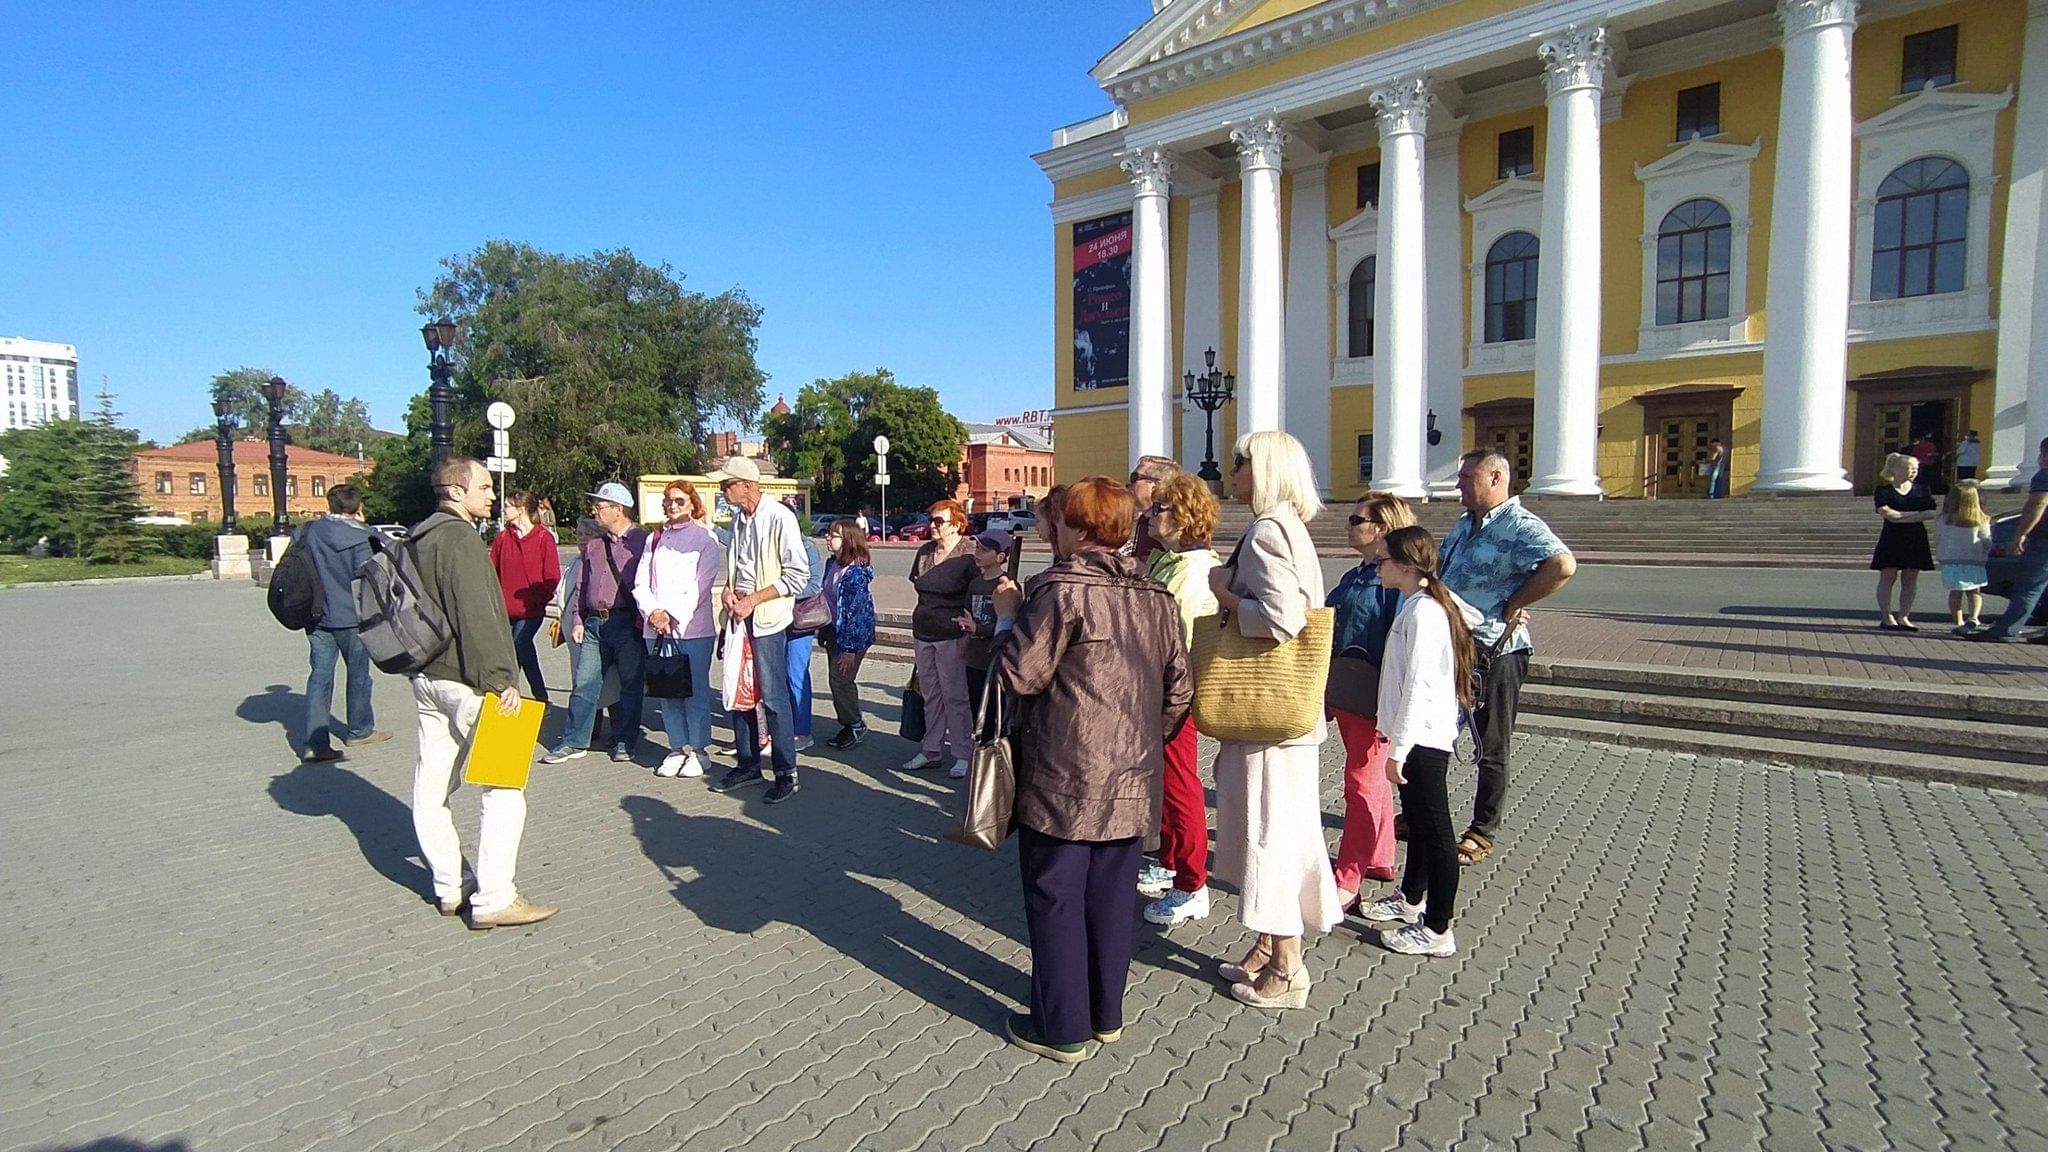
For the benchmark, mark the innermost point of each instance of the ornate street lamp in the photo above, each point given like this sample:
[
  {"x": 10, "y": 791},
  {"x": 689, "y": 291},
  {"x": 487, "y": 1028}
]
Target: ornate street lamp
[
  {"x": 224, "y": 439},
  {"x": 1210, "y": 392},
  {"x": 280, "y": 516},
  {"x": 440, "y": 338}
]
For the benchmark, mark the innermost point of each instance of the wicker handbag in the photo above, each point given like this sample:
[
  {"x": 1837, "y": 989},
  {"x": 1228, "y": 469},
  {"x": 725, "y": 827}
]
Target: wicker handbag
[{"x": 1260, "y": 691}]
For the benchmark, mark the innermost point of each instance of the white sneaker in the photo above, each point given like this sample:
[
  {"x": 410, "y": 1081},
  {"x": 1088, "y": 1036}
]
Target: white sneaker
[
  {"x": 803, "y": 743},
  {"x": 671, "y": 765},
  {"x": 1391, "y": 908},
  {"x": 958, "y": 771},
  {"x": 1416, "y": 940},
  {"x": 692, "y": 767},
  {"x": 1177, "y": 907},
  {"x": 921, "y": 763},
  {"x": 1154, "y": 880}
]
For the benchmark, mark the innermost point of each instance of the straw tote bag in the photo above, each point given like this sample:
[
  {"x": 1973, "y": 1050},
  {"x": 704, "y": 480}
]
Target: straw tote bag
[
  {"x": 1260, "y": 691},
  {"x": 991, "y": 794}
]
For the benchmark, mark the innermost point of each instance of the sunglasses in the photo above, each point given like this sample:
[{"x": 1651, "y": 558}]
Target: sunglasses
[
  {"x": 1238, "y": 460},
  {"x": 1357, "y": 520}
]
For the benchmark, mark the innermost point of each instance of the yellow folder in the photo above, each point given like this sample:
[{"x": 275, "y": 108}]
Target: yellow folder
[{"x": 501, "y": 752}]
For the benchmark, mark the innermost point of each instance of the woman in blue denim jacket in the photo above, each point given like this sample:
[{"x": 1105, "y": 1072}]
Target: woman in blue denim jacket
[
  {"x": 847, "y": 580},
  {"x": 1365, "y": 614}
]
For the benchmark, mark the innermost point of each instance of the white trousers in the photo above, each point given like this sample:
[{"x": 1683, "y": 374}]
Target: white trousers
[{"x": 448, "y": 714}]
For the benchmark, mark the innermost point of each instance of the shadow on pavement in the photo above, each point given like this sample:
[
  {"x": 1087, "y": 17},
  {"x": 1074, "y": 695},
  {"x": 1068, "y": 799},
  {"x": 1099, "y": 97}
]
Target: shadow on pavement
[
  {"x": 119, "y": 1144},
  {"x": 382, "y": 823},
  {"x": 279, "y": 704}
]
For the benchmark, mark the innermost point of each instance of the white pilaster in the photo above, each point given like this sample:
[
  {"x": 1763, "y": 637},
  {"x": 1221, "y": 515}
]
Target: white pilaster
[
  {"x": 1806, "y": 346},
  {"x": 1443, "y": 220},
  {"x": 1305, "y": 407},
  {"x": 1151, "y": 170},
  {"x": 2020, "y": 417},
  {"x": 1568, "y": 276},
  {"x": 1202, "y": 322},
  {"x": 1401, "y": 319},
  {"x": 1261, "y": 307}
]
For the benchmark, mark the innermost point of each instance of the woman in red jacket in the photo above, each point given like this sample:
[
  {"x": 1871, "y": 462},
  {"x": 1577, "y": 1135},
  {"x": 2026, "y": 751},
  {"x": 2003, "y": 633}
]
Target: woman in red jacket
[{"x": 529, "y": 565}]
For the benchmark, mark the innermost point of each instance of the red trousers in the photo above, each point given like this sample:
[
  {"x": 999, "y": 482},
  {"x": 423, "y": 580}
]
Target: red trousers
[
  {"x": 1183, "y": 816},
  {"x": 1366, "y": 850}
]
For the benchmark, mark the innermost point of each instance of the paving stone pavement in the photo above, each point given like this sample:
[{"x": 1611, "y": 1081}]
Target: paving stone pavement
[{"x": 210, "y": 947}]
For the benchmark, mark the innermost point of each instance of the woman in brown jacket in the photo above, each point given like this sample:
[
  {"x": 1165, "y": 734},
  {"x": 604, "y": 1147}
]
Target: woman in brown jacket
[{"x": 1094, "y": 652}]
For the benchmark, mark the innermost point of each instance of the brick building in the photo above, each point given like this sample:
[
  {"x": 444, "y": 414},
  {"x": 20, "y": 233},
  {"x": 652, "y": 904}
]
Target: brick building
[
  {"x": 184, "y": 481},
  {"x": 1004, "y": 463}
]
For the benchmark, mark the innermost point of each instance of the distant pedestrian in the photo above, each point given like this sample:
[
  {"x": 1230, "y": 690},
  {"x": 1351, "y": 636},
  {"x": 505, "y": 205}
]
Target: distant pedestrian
[
  {"x": 544, "y": 515},
  {"x": 607, "y": 630},
  {"x": 1716, "y": 467},
  {"x": 675, "y": 594},
  {"x": 848, "y": 576},
  {"x": 455, "y": 569},
  {"x": 1365, "y": 607},
  {"x": 1184, "y": 524},
  {"x": 801, "y": 645},
  {"x": 1902, "y": 551},
  {"x": 529, "y": 566},
  {"x": 978, "y": 622},
  {"x": 1501, "y": 559},
  {"x": 2029, "y": 550},
  {"x": 1969, "y": 456},
  {"x": 1926, "y": 451},
  {"x": 861, "y": 521},
  {"x": 766, "y": 566},
  {"x": 1094, "y": 655},
  {"x": 1146, "y": 476},
  {"x": 941, "y": 572},
  {"x": 339, "y": 546},
  {"x": 1269, "y": 812},
  {"x": 1962, "y": 545},
  {"x": 1426, "y": 678}
]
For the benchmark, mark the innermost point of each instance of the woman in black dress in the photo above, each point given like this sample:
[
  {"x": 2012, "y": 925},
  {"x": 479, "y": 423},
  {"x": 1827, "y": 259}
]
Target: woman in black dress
[{"x": 1902, "y": 549}]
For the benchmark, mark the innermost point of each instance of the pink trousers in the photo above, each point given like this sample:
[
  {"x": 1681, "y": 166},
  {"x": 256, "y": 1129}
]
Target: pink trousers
[{"x": 1366, "y": 851}]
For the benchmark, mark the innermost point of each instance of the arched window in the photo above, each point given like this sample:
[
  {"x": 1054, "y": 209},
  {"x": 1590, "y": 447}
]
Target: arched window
[
  {"x": 1363, "y": 282},
  {"x": 1511, "y": 288},
  {"x": 1923, "y": 219},
  {"x": 1692, "y": 263}
]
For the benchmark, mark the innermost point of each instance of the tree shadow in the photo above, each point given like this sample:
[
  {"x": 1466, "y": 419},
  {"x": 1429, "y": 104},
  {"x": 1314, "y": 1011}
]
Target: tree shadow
[
  {"x": 282, "y": 705},
  {"x": 381, "y": 823},
  {"x": 119, "y": 1144}
]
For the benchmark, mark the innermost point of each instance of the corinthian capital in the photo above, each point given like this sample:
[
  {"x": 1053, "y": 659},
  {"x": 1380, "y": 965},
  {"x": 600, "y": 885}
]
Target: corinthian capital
[
  {"x": 1260, "y": 142},
  {"x": 1574, "y": 58},
  {"x": 1150, "y": 170},
  {"x": 1403, "y": 106},
  {"x": 1796, "y": 16}
]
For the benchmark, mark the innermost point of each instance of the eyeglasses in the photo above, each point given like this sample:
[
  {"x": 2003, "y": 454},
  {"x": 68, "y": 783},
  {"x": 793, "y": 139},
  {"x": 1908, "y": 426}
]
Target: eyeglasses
[
  {"x": 1358, "y": 520},
  {"x": 1238, "y": 460}
]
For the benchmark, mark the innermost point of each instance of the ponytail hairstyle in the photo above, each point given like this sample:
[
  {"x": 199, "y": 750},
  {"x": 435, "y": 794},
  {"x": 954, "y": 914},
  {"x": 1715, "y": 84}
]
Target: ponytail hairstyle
[{"x": 1413, "y": 547}]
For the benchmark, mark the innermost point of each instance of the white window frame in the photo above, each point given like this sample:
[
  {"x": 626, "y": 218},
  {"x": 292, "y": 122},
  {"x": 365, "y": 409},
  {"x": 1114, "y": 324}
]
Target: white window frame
[
  {"x": 1947, "y": 124},
  {"x": 1513, "y": 205},
  {"x": 1699, "y": 169},
  {"x": 1356, "y": 239}
]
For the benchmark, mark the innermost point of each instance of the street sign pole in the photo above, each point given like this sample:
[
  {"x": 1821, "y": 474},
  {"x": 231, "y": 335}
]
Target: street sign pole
[
  {"x": 501, "y": 418},
  {"x": 882, "y": 479}
]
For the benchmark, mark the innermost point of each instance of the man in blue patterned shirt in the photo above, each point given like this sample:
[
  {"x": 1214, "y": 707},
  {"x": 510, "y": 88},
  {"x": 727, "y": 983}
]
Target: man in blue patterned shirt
[{"x": 1500, "y": 558}]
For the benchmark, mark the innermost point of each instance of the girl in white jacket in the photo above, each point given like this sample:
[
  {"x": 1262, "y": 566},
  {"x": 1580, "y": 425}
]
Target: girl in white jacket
[{"x": 1425, "y": 677}]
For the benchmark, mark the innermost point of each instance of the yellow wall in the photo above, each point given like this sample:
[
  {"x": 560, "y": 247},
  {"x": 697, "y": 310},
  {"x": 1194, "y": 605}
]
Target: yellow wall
[{"x": 1090, "y": 444}]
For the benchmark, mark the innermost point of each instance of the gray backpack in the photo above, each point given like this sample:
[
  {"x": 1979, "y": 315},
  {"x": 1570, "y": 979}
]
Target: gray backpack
[{"x": 401, "y": 627}]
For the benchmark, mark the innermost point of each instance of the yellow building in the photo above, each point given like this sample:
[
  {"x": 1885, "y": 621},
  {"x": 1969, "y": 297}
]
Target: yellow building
[{"x": 1599, "y": 234}]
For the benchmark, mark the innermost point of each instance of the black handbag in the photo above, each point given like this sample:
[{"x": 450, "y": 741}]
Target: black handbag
[
  {"x": 668, "y": 671},
  {"x": 913, "y": 712}
]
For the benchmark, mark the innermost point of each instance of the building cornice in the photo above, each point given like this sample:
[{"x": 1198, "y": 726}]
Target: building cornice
[{"x": 1197, "y": 61}]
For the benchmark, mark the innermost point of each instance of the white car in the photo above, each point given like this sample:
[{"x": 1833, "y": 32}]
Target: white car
[{"x": 1016, "y": 521}]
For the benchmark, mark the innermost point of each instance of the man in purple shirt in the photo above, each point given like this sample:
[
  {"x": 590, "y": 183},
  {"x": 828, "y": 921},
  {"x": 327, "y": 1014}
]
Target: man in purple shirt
[{"x": 606, "y": 629}]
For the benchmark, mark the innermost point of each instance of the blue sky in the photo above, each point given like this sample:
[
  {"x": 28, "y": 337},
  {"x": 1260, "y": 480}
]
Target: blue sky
[{"x": 207, "y": 185}]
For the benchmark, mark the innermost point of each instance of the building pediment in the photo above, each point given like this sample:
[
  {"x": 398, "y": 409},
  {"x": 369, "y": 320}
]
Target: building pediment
[
  {"x": 1365, "y": 224},
  {"x": 1176, "y": 26},
  {"x": 1188, "y": 42},
  {"x": 1934, "y": 107},
  {"x": 1696, "y": 156},
  {"x": 1513, "y": 192}
]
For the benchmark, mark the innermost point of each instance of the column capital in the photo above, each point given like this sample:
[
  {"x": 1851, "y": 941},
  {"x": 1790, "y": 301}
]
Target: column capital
[
  {"x": 1797, "y": 16},
  {"x": 1574, "y": 58},
  {"x": 1403, "y": 106},
  {"x": 1261, "y": 143},
  {"x": 1150, "y": 170}
]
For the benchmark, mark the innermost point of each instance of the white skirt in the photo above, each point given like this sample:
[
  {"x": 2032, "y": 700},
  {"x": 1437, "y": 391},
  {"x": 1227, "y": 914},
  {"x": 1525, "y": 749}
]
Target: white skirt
[{"x": 1269, "y": 837}]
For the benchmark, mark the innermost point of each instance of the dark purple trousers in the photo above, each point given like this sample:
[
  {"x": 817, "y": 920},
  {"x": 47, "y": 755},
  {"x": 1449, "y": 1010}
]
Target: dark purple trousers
[{"x": 1080, "y": 905}]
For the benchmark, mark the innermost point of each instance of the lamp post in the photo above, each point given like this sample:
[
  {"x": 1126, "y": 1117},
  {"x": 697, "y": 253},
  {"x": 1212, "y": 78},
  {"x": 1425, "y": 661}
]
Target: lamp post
[
  {"x": 1210, "y": 392},
  {"x": 440, "y": 338},
  {"x": 280, "y": 515},
  {"x": 224, "y": 439}
]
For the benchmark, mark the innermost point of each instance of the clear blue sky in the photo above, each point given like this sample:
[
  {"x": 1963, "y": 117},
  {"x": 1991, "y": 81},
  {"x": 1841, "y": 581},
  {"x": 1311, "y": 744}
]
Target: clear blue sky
[{"x": 198, "y": 187}]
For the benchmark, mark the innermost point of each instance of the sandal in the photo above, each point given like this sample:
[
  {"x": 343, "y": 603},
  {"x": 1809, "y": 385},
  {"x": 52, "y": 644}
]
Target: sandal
[
  {"x": 1473, "y": 847},
  {"x": 1239, "y": 973}
]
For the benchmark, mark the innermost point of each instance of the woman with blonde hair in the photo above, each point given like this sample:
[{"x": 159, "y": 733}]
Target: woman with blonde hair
[
  {"x": 674, "y": 592},
  {"x": 1962, "y": 543},
  {"x": 1365, "y": 614},
  {"x": 1269, "y": 813},
  {"x": 1183, "y": 521},
  {"x": 1902, "y": 552}
]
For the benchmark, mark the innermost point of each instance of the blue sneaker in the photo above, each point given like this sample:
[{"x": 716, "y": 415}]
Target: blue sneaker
[
  {"x": 1177, "y": 907},
  {"x": 1153, "y": 880}
]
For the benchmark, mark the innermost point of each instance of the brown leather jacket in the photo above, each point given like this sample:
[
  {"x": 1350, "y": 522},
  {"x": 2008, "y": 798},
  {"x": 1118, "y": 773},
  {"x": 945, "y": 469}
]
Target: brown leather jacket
[{"x": 1097, "y": 661}]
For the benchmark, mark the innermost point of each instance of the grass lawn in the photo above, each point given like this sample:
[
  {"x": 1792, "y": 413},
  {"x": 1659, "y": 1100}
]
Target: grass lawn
[{"x": 22, "y": 570}]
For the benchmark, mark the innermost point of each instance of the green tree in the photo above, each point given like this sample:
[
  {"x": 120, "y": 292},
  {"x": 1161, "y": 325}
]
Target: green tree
[
  {"x": 243, "y": 388},
  {"x": 829, "y": 433},
  {"x": 108, "y": 501},
  {"x": 39, "y": 492},
  {"x": 397, "y": 489},
  {"x": 333, "y": 424}
]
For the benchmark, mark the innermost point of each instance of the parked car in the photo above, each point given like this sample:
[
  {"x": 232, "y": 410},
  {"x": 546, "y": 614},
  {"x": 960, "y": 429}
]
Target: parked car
[
  {"x": 1016, "y": 521},
  {"x": 977, "y": 522},
  {"x": 821, "y": 522},
  {"x": 2000, "y": 568},
  {"x": 915, "y": 527}
]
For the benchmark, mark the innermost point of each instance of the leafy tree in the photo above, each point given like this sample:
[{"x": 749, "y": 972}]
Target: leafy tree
[
  {"x": 39, "y": 492},
  {"x": 332, "y": 424},
  {"x": 829, "y": 437},
  {"x": 243, "y": 388},
  {"x": 397, "y": 490}
]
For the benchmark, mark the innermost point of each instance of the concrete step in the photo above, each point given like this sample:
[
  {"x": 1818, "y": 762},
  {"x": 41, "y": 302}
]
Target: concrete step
[
  {"x": 1796, "y": 753},
  {"x": 2019, "y": 706}
]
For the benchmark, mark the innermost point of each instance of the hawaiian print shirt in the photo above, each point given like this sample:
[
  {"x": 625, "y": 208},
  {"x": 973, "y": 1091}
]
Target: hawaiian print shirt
[{"x": 1488, "y": 560}]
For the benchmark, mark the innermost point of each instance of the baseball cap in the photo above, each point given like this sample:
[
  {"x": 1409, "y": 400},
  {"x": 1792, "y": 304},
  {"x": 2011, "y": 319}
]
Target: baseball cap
[
  {"x": 738, "y": 468},
  {"x": 614, "y": 492},
  {"x": 995, "y": 540}
]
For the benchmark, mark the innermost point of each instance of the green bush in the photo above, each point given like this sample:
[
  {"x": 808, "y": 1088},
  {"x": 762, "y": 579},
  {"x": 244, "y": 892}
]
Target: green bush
[{"x": 186, "y": 541}]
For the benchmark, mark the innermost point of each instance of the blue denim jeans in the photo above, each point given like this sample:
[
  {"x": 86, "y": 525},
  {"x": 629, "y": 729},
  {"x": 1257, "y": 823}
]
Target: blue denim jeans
[
  {"x": 328, "y": 644},
  {"x": 771, "y": 670},
  {"x": 2029, "y": 580},
  {"x": 610, "y": 642},
  {"x": 688, "y": 721},
  {"x": 523, "y": 634},
  {"x": 800, "y": 682}
]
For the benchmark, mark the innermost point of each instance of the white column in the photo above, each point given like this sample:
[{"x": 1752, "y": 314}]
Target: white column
[
  {"x": 1305, "y": 407},
  {"x": 1150, "y": 170},
  {"x": 1806, "y": 349},
  {"x": 2020, "y": 419},
  {"x": 1443, "y": 219},
  {"x": 1261, "y": 307},
  {"x": 1401, "y": 299},
  {"x": 1568, "y": 274},
  {"x": 1202, "y": 321}
]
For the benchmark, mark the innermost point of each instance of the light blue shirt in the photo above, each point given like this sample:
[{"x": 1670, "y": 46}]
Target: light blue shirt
[{"x": 1487, "y": 560}]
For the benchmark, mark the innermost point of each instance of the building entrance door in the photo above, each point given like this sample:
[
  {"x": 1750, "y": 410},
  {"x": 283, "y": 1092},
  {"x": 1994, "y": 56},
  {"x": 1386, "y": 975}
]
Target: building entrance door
[
  {"x": 1512, "y": 441},
  {"x": 1898, "y": 426},
  {"x": 1682, "y": 449}
]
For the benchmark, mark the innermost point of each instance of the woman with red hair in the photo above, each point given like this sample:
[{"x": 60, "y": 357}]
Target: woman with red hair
[{"x": 941, "y": 572}]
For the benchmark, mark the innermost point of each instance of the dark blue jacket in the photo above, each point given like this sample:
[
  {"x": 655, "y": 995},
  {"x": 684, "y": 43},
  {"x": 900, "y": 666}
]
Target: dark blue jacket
[
  {"x": 339, "y": 549},
  {"x": 1365, "y": 613}
]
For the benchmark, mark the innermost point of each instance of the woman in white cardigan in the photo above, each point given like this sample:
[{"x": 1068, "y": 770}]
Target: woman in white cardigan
[{"x": 1269, "y": 812}]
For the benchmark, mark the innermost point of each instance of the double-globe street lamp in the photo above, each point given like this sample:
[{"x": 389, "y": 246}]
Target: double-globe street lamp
[
  {"x": 224, "y": 439},
  {"x": 440, "y": 338},
  {"x": 275, "y": 392},
  {"x": 1210, "y": 392}
]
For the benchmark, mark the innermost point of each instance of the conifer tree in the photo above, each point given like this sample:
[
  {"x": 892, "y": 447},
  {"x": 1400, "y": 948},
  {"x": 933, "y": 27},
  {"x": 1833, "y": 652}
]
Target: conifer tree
[{"x": 107, "y": 500}]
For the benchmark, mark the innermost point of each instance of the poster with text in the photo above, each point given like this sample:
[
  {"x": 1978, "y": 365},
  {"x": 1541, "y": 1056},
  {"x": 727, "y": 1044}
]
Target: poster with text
[{"x": 1102, "y": 302}]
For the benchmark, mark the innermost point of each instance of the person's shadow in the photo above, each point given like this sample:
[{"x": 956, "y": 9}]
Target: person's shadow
[
  {"x": 381, "y": 823},
  {"x": 747, "y": 877},
  {"x": 279, "y": 704}
]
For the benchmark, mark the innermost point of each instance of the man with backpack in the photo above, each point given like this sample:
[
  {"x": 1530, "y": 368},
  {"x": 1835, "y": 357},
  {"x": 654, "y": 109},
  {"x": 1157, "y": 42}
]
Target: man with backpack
[
  {"x": 331, "y": 550},
  {"x": 455, "y": 576}
]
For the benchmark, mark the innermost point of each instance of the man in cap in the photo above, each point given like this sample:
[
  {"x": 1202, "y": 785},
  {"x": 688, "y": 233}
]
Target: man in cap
[
  {"x": 605, "y": 626},
  {"x": 765, "y": 567}
]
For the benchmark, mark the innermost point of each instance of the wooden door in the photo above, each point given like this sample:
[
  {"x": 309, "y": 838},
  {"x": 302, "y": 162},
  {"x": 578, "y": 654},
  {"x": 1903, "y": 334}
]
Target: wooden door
[
  {"x": 1892, "y": 428},
  {"x": 1682, "y": 447},
  {"x": 1513, "y": 441}
]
